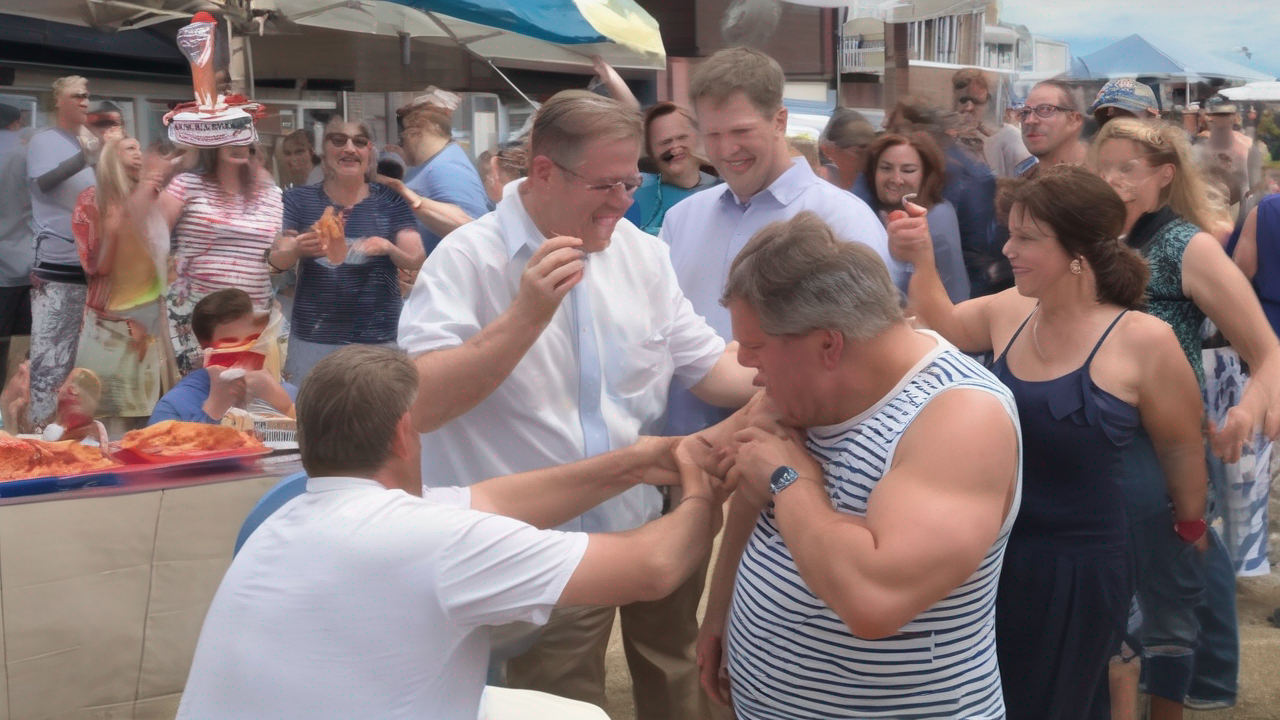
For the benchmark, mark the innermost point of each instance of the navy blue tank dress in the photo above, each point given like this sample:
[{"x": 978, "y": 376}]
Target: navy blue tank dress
[{"x": 1064, "y": 591}]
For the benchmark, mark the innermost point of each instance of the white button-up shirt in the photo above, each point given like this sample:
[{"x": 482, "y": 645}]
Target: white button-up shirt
[
  {"x": 706, "y": 231},
  {"x": 355, "y": 601},
  {"x": 646, "y": 331}
]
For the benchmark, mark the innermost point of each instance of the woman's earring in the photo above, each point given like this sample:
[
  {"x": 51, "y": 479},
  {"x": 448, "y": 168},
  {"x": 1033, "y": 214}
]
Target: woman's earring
[{"x": 1076, "y": 268}]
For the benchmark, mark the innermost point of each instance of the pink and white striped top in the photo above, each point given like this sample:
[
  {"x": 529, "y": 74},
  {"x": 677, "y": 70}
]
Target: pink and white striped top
[{"x": 221, "y": 237}]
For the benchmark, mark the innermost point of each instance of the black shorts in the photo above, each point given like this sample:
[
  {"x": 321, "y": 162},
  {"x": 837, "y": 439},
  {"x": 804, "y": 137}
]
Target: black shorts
[{"x": 15, "y": 311}]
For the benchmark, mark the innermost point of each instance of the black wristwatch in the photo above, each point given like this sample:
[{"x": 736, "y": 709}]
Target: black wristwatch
[{"x": 782, "y": 479}]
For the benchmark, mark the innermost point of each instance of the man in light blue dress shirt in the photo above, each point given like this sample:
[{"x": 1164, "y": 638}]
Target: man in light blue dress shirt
[{"x": 737, "y": 95}]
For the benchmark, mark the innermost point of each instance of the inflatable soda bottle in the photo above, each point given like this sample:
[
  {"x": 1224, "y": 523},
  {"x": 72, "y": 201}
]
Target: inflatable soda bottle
[{"x": 196, "y": 42}]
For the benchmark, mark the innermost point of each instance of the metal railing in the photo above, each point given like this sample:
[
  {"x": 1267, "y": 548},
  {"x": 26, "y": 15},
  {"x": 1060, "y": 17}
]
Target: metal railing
[{"x": 858, "y": 55}]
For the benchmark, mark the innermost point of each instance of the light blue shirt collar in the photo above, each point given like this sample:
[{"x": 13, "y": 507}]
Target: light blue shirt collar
[{"x": 785, "y": 189}]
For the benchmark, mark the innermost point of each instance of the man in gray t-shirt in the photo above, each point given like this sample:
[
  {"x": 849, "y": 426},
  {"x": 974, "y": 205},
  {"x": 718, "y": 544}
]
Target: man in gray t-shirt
[
  {"x": 58, "y": 170},
  {"x": 51, "y": 208}
]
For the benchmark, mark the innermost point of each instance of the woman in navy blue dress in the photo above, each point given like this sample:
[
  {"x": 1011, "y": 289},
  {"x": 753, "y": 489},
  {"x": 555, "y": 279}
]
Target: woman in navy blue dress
[{"x": 1093, "y": 378}]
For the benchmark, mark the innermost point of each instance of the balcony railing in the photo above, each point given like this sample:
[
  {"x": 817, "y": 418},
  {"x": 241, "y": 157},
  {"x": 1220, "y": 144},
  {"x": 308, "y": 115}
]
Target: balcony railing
[{"x": 858, "y": 55}]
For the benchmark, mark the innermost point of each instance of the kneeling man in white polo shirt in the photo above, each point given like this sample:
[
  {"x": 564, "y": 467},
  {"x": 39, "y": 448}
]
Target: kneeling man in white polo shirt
[{"x": 366, "y": 597}]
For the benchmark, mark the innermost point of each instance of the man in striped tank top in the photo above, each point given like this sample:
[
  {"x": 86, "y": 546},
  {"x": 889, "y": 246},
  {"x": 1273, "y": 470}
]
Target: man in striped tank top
[{"x": 866, "y": 552}]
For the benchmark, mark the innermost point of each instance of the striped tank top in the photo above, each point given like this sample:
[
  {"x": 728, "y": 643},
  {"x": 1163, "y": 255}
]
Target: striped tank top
[{"x": 790, "y": 655}]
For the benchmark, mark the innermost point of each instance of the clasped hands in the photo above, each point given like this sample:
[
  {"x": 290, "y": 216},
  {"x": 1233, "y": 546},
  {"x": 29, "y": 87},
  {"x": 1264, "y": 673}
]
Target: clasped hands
[{"x": 739, "y": 454}]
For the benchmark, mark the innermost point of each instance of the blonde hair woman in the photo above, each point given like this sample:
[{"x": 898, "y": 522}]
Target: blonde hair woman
[
  {"x": 1170, "y": 206},
  {"x": 123, "y": 336}
]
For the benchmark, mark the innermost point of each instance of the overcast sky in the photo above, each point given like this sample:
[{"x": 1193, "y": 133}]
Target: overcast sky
[{"x": 1216, "y": 26}]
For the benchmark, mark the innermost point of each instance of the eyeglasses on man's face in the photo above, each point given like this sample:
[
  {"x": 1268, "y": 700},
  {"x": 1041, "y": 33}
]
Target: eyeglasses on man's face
[
  {"x": 338, "y": 140},
  {"x": 1042, "y": 111},
  {"x": 629, "y": 186}
]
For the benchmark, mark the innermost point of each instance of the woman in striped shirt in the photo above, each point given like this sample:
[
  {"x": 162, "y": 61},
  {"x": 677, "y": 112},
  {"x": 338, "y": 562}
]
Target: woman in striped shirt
[
  {"x": 357, "y": 301},
  {"x": 120, "y": 339},
  {"x": 224, "y": 217}
]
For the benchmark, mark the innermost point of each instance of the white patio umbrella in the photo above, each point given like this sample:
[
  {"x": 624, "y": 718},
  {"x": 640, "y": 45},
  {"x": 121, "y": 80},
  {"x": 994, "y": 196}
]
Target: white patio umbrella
[{"x": 1253, "y": 92}]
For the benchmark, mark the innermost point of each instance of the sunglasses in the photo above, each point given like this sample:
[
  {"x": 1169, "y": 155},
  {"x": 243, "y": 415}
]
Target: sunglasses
[
  {"x": 340, "y": 141},
  {"x": 107, "y": 123},
  {"x": 965, "y": 100}
]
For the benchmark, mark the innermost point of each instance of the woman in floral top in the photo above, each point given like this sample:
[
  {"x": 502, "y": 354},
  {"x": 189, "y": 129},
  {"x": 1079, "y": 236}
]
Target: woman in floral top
[{"x": 1187, "y": 600}]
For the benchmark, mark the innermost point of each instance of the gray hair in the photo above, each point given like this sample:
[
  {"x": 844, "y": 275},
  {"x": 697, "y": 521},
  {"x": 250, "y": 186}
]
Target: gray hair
[
  {"x": 365, "y": 129},
  {"x": 797, "y": 276},
  {"x": 571, "y": 118}
]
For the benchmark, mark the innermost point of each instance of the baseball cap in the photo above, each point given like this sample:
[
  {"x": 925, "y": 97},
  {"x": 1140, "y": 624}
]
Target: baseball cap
[
  {"x": 1219, "y": 105},
  {"x": 433, "y": 96},
  {"x": 103, "y": 107},
  {"x": 1128, "y": 95}
]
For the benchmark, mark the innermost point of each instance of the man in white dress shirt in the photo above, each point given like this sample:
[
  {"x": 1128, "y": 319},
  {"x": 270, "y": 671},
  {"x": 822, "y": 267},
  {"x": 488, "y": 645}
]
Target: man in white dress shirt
[
  {"x": 366, "y": 597},
  {"x": 516, "y": 377}
]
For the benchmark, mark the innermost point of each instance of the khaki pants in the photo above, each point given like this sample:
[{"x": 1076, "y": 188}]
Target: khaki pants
[{"x": 658, "y": 637}]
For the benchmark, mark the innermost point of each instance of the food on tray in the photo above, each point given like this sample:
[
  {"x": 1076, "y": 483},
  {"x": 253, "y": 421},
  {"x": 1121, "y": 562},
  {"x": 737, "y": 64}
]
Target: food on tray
[
  {"x": 173, "y": 438},
  {"x": 22, "y": 458},
  {"x": 333, "y": 233},
  {"x": 238, "y": 419}
]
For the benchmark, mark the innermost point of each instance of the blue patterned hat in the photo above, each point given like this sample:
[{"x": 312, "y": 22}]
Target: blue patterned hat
[{"x": 1128, "y": 95}]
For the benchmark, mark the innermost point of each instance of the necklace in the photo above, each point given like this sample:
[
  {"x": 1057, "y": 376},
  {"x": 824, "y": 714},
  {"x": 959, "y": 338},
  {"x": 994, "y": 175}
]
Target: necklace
[{"x": 1035, "y": 336}]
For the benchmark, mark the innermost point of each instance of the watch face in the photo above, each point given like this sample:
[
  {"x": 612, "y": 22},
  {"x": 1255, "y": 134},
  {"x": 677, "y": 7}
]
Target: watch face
[{"x": 782, "y": 477}]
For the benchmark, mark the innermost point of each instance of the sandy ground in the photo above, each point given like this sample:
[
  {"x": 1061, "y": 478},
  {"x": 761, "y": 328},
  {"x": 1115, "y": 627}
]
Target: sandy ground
[{"x": 1256, "y": 598}]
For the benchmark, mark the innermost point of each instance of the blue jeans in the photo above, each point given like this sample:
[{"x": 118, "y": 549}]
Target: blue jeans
[
  {"x": 1170, "y": 586},
  {"x": 1204, "y": 669},
  {"x": 1217, "y": 660}
]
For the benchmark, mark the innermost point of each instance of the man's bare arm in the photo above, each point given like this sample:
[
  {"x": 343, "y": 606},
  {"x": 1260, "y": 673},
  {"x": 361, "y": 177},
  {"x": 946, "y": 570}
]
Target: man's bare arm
[
  {"x": 728, "y": 384},
  {"x": 929, "y": 522},
  {"x": 552, "y": 496}
]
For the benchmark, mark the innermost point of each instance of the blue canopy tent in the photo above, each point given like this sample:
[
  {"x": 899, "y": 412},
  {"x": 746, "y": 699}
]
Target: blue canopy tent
[
  {"x": 1157, "y": 60},
  {"x": 1150, "y": 56}
]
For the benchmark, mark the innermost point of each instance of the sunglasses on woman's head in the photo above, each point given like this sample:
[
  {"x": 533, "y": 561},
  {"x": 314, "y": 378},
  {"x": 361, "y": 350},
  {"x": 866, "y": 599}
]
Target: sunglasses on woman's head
[{"x": 340, "y": 141}]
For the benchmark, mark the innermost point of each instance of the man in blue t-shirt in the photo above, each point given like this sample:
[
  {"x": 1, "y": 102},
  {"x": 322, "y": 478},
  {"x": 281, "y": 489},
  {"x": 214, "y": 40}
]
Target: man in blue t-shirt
[
  {"x": 669, "y": 138},
  {"x": 225, "y": 318},
  {"x": 441, "y": 172}
]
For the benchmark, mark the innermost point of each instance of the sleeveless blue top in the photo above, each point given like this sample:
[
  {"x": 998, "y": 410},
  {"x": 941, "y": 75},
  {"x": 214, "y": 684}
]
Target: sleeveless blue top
[{"x": 1074, "y": 435}]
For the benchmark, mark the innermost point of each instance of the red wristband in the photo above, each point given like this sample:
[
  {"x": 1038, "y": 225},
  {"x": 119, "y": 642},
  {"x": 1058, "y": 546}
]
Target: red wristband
[{"x": 1190, "y": 530}]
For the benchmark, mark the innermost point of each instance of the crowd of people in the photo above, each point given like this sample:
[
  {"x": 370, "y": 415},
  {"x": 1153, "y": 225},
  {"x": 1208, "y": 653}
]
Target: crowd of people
[{"x": 949, "y": 376}]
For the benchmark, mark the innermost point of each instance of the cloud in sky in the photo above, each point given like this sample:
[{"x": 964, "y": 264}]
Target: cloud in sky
[{"x": 1218, "y": 27}]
